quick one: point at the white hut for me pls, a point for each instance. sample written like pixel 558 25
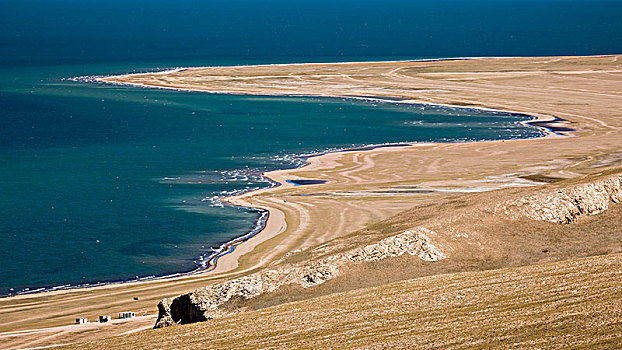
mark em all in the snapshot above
pixel 127 314
pixel 82 320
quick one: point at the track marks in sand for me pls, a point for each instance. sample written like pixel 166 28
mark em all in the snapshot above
pixel 362 161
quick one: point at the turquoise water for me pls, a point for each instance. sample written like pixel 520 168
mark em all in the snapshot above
pixel 105 183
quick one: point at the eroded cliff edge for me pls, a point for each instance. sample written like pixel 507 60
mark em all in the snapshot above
pixel 475 232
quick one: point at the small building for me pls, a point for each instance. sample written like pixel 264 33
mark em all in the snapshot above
pixel 127 314
pixel 105 318
pixel 82 320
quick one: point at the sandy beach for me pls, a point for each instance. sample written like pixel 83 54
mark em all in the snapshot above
pixel 377 80
pixel 576 100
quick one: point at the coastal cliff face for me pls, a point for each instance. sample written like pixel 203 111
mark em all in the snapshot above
pixel 559 205
pixel 566 205
pixel 204 304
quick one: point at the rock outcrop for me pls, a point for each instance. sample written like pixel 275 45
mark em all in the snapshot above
pixel 562 205
pixel 164 314
pixel 566 205
pixel 205 303
pixel 414 242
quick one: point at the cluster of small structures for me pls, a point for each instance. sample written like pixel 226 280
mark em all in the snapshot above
pixel 107 318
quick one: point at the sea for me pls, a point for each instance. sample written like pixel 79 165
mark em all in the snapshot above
pixel 103 183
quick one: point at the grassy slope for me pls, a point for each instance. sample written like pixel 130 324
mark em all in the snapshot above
pixel 575 303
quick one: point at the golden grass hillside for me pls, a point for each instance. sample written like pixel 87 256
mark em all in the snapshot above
pixel 570 304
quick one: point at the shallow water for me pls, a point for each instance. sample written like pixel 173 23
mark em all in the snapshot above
pixel 104 183
pixel 114 183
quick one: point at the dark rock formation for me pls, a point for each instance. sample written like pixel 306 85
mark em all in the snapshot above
pixel 186 308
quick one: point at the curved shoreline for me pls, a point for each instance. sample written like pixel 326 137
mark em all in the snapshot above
pixel 227 248
pixel 545 123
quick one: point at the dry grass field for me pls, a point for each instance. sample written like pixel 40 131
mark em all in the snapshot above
pixel 564 305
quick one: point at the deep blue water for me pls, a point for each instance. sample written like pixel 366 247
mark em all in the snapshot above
pixel 107 183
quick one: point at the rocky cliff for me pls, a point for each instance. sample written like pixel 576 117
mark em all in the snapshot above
pixel 560 204
pixel 566 205
pixel 204 303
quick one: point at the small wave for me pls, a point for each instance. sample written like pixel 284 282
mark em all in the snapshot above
pixel 208 260
pixel 245 176
pixel 84 79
